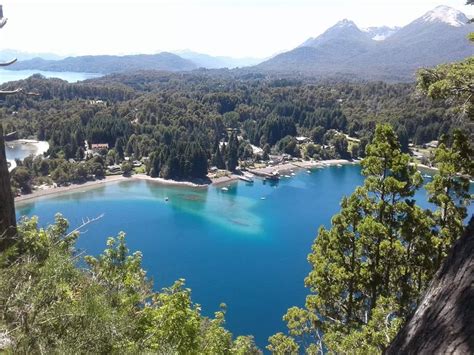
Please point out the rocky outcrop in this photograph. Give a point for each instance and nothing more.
(444, 321)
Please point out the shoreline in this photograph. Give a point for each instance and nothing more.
(300, 165)
(73, 187)
(108, 179)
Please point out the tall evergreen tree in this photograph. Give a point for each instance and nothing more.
(232, 152)
(217, 159)
(449, 190)
(369, 268)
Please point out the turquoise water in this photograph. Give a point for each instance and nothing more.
(72, 77)
(231, 246)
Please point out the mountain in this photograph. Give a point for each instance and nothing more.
(217, 62)
(106, 64)
(344, 32)
(8, 54)
(341, 42)
(437, 37)
(331, 50)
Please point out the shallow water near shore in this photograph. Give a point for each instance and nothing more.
(245, 247)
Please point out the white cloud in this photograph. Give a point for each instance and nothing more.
(220, 27)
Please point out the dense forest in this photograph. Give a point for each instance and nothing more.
(180, 125)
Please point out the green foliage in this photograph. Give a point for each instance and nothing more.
(449, 190)
(370, 268)
(49, 304)
(450, 82)
(380, 330)
(127, 168)
(232, 152)
(288, 145)
(175, 120)
(21, 179)
(281, 344)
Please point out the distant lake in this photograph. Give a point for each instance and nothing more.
(20, 149)
(72, 77)
(246, 247)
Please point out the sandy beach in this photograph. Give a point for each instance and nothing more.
(108, 179)
(284, 167)
(63, 189)
(168, 182)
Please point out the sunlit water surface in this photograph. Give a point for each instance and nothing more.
(245, 247)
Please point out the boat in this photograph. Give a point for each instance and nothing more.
(245, 178)
(225, 189)
(262, 198)
(166, 199)
(287, 176)
(426, 176)
(272, 178)
(293, 174)
(275, 176)
(308, 171)
(339, 165)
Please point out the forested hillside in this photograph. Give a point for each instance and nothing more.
(105, 64)
(182, 124)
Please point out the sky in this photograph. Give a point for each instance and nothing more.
(238, 28)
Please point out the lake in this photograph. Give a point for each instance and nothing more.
(72, 77)
(245, 247)
(20, 149)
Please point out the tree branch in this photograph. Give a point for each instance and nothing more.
(6, 64)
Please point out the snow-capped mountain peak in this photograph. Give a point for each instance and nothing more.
(380, 33)
(447, 15)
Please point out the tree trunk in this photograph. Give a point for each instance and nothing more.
(7, 205)
(444, 321)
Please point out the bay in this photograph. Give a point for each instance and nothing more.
(245, 247)
(72, 77)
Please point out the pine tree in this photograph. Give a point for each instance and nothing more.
(217, 159)
(233, 152)
(449, 190)
(369, 268)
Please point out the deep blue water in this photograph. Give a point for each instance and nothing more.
(230, 246)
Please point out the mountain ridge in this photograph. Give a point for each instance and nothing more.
(107, 64)
(434, 38)
(343, 50)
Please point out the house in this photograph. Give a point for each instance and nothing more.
(302, 140)
(432, 144)
(114, 168)
(99, 146)
(256, 150)
(97, 102)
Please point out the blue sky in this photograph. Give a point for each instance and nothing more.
(239, 28)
